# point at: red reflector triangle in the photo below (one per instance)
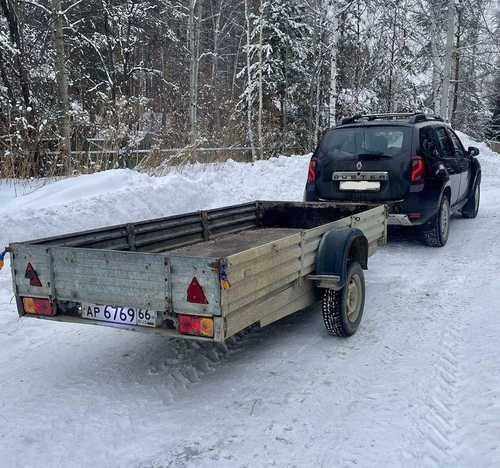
(32, 275)
(195, 293)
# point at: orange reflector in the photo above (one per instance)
(36, 306)
(207, 327)
(196, 326)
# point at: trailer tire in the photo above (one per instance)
(343, 310)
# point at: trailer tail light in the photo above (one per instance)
(196, 326)
(312, 173)
(35, 306)
(417, 170)
(195, 293)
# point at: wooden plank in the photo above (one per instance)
(305, 300)
(233, 244)
(320, 230)
(257, 311)
(255, 283)
(229, 308)
(270, 248)
(260, 266)
(372, 232)
(312, 245)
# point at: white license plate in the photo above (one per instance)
(123, 315)
(361, 185)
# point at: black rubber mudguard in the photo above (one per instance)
(335, 248)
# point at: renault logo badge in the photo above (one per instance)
(359, 166)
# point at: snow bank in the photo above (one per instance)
(120, 196)
(486, 151)
(488, 158)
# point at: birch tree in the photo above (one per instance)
(332, 12)
(194, 45)
(249, 90)
(445, 91)
(62, 81)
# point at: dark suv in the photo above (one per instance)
(414, 163)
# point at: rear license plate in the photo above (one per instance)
(123, 315)
(360, 185)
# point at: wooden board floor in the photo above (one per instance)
(234, 243)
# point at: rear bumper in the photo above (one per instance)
(419, 207)
(399, 220)
(416, 209)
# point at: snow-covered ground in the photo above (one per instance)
(419, 385)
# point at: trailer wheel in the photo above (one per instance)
(343, 310)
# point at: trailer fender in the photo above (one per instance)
(337, 249)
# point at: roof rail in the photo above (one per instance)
(421, 117)
(412, 117)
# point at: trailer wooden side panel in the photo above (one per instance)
(269, 282)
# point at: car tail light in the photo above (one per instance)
(35, 306)
(417, 170)
(312, 173)
(196, 326)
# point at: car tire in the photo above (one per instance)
(435, 233)
(471, 208)
(343, 310)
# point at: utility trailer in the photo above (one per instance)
(206, 275)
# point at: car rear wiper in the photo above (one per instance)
(365, 156)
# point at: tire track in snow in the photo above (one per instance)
(188, 362)
(440, 427)
(444, 431)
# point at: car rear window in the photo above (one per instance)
(377, 140)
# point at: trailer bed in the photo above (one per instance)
(248, 264)
(234, 243)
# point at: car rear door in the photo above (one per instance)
(447, 155)
(366, 163)
(464, 165)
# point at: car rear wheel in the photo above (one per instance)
(471, 208)
(343, 310)
(435, 233)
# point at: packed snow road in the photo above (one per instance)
(419, 385)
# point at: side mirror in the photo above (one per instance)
(473, 151)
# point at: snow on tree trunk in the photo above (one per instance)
(193, 36)
(445, 90)
(261, 96)
(332, 42)
(62, 81)
(436, 75)
(249, 83)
